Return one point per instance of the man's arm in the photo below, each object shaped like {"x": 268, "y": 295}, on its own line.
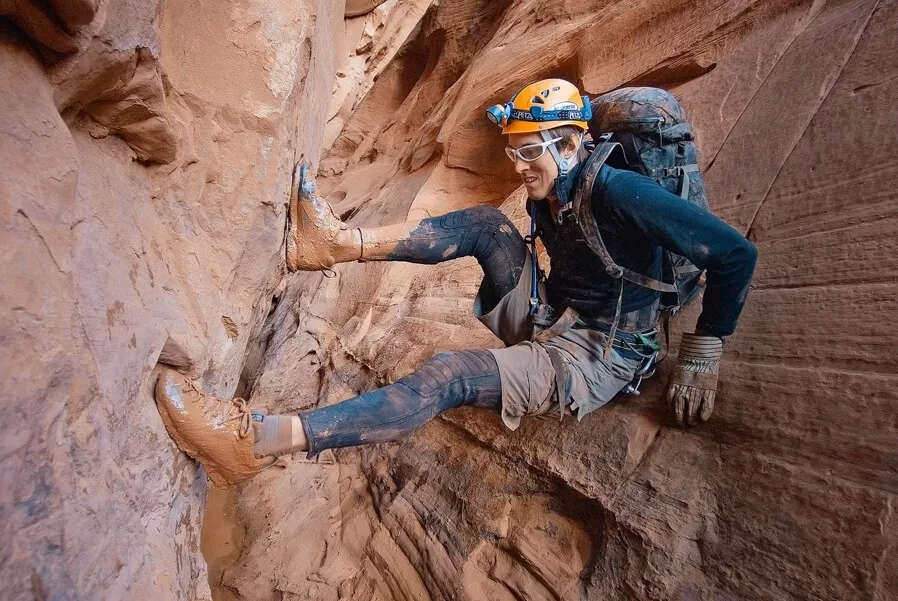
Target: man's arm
{"x": 680, "y": 226}
{"x": 729, "y": 260}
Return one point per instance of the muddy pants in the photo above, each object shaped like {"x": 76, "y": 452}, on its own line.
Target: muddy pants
{"x": 518, "y": 380}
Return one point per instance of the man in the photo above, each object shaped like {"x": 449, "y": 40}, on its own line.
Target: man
{"x": 545, "y": 367}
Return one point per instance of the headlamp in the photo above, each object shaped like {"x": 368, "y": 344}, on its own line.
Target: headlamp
{"x": 498, "y": 114}
{"x": 501, "y": 114}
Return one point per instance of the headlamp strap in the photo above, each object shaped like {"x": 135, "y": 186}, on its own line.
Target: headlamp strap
{"x": 537, "y": 114}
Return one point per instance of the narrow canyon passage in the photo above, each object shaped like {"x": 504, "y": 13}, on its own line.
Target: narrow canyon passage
{"x": 147, "y": 148}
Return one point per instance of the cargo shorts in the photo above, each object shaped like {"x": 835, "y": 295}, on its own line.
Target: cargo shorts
{"x": 526, "y": 369}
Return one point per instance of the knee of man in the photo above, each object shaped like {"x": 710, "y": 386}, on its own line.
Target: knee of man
{"x": 478, "y": 216}
{"x": 490, "y": 215}
{"x": 442, "y": 369}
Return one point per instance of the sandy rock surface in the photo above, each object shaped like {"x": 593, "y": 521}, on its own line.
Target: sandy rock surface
{"x": 144, "y": 180}
{"x": 789, "y": 491}
{"x": 146, "y": 153}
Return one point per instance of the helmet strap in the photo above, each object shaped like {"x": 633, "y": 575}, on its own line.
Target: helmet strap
{"x": 564, "y": 183}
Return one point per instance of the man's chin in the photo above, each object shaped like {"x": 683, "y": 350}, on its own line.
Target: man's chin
{"x": 535, "y": 194}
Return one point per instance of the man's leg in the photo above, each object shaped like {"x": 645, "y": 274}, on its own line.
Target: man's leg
{"x": 444, "y": 382}
{"x": 317, "y": 240}
{"x": 233, "y": 443}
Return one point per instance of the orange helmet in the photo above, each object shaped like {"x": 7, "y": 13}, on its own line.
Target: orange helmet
{"x": 542, "y": 105}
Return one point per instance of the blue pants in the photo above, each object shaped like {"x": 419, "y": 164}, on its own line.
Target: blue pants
{"x": 447, "y": 380}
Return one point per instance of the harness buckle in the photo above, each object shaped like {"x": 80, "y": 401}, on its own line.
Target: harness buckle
{"x": 645, "y": 370}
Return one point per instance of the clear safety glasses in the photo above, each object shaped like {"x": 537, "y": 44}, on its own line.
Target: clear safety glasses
{"x": 530, "y": 152}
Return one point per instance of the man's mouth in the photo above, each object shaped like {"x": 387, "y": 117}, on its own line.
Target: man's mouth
{"x": 529, "y": 180}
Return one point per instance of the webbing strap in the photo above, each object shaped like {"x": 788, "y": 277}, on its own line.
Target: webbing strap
{"x": 561, "y": 325}
{"x": 684, "y": 269}
{"x": 685, "y": 170}
{"x": 587, "y": 221}
{"x": 534, "y": 260}
{"x": 645, "y": 281}
{"x": 613, "y": 331}
{"x": 559, "y": 363}
{"x": 681, "y": 171}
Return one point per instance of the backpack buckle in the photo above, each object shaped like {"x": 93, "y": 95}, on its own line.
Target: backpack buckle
{"x": 614, "y": 271}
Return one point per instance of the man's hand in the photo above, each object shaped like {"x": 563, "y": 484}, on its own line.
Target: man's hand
{"x": 693, "y": 385}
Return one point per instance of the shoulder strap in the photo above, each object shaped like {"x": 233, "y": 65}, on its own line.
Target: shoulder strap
{"x": 534, "y": 259}
{"x": 587, "y": 221}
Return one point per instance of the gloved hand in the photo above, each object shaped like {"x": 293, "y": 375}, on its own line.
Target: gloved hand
{"x": 693, "y": 385}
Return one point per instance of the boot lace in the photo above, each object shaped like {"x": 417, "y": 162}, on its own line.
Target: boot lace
{"x": 243, "y": 414}
{"x": 238, "y": 404}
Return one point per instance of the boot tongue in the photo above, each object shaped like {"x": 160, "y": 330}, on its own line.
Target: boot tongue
{"x": 273, "y": 434}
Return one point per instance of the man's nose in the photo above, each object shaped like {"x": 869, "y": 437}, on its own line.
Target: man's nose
{"x": 520, "y": 165}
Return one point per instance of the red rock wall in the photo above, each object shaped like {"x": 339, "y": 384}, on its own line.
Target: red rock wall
{"x": 146, "y": 151}
{"x": 787, "y": 493}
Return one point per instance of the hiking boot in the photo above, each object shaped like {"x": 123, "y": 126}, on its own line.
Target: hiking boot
{"x": 316, "y": 238}
{"x": 217, "y": 433}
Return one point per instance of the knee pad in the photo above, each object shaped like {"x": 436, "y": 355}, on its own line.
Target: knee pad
{"x": 479, "y": 216}
{"x": 460, "y": 377}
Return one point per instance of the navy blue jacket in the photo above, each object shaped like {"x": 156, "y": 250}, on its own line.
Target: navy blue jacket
{"x": 637, "y": 218}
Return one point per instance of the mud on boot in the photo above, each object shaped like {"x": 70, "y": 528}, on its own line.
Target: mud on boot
{"x": 316, "y": 238}
{"x": 217, "y": 433}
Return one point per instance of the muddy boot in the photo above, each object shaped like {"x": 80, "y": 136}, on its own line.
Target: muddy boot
{"x": 316, "y": 238}
{"x": 217, "y": 433}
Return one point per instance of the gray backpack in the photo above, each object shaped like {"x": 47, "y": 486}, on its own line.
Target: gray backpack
{"x": 644, "y": 130}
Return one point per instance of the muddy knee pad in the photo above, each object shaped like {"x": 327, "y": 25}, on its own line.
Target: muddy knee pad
{"x": 453, "y": 379}
{"x": 445, "y": 381}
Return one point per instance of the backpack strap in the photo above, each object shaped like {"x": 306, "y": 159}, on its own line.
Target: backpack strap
{"x": 681, "y": 171}
{"x": 587, "y": 221}
{"x": 534, "y": 260}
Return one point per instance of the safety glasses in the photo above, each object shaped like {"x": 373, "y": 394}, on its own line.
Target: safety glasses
{"x": 530, "y": 152}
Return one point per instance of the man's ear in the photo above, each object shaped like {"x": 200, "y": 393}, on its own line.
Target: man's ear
{"x": 573, "y": 146}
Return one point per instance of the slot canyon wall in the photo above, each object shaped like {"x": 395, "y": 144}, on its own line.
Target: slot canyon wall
{"x": 146, "y": 153}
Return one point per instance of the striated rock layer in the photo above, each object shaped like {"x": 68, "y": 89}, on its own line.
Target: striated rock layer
{"x": 787, "y": 493}
{"x": 146, "y": 151}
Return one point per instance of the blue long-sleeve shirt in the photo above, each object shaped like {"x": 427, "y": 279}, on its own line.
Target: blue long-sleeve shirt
{"x": 637, "y": 218}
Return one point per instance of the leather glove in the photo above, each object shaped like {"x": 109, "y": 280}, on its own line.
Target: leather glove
{"x": 693, "y": 385}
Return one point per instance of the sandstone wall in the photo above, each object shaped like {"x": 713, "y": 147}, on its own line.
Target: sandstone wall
{"x": 787, "y": 493}
{"x": 146, "y": 151}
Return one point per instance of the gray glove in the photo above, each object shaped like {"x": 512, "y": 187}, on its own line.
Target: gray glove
{"x": 693, "y": 385}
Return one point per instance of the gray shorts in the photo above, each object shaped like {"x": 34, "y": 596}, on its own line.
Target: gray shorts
{"x": 526, "y": 370}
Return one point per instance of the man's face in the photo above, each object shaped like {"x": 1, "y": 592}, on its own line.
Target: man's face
{"x": 539, "y": 175}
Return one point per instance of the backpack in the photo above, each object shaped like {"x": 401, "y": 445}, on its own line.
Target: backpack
{"x": 644, "y": 130}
